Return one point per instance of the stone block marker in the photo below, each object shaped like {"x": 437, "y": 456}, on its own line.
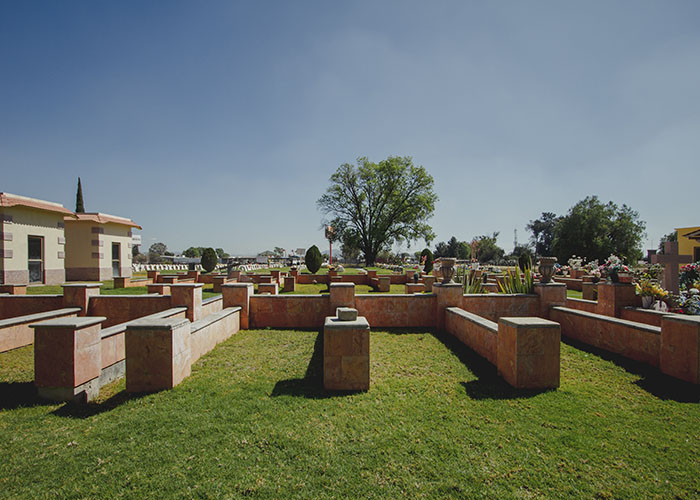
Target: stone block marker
{"x": 342, "y": 295}
{"x": 414, "y": 288}
{"x": 290, "y": 283}
{"x": 551, "y": 294}
{"x": 428, "y": 282}
{"x": 158, "y": 354}
{"x": 613, "y": 297}
{"x": 528, "y": 352}
{"x": 238, "y": 295}
{"x": 68, "y": 358}
{"x": 680, "y": 347}
{"x": 78, "y": 295}
{"x": 346, "y": 352}
{"x": 188, "y": 295}
{"x": 270, "y": 288}
{"x": 588, "y": 290}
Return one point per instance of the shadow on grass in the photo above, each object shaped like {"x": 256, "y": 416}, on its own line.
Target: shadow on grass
{"x": 311, "y": 386}
{"x": 650, "y": 378}
{"x": 16, "y": 394}
{"x": 488, "y": 384}
{"x": 85, "y": 410}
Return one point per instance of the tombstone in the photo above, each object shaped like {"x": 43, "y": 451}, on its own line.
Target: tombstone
{"x": 346, "y": 351}
{"x": 671, "y": 260}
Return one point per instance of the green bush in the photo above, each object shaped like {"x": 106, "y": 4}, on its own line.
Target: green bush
{"x": 313, "y": 259}
{"x": 428, "y": 260}
{"x": 209, "y": 259}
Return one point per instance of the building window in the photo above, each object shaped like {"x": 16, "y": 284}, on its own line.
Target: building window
{"x": 36, "y": 259}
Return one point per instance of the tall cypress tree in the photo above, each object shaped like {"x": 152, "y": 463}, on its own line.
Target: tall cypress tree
{"x": 79, "y": 207}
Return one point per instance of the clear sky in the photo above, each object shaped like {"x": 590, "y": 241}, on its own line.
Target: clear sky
{"x": 219, "y": 123}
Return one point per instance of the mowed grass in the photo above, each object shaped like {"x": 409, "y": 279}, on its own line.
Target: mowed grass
{"x": 107, "y": 288}
{"x": 253, "y": 421}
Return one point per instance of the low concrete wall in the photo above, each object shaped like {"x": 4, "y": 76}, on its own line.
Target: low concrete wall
{"x": 646, "y": 316}
{"x": 571, "y": 283}
{"x": 207, "y": 332}
{"x": 590, "y": 306}
{"x": 496, "y": 305}
{"x": 397, "y": 311}
{"x": 633, "y": 340}
{"x": 123, "y": 308}
{"x": 477, "y": 333}
{"x": 212, "y": 305}
{"x": 20, "y": 305}
{"x": 16, "y": 332}
{"x": 288, "y": 311}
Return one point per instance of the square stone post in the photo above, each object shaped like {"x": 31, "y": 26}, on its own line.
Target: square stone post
{"x": 78, "y": 295}
{"x": 409, "y": 275}
{"x": 158, "y": 354}
{"x": 294, "y": 272}
{"x": 588, "y": 289}
{"x": 194, "y": 275}
{"x": 680, "y": 347}
{"x": 428, "y": 281}
{"x": 153, "y": 275}
{"x": 342, "y": 295}
{"x": 371, "y": 274}
{"x": 270, "y": 288}
{"x": 384, "y": 285}
{"x": 218, "y": 281}
{"x": 613, "y": 297}
{"x": 551, "y": 294}
{"x": 234, "y": 275}
{"x": 238, "y": 295}
{"x": 346, "y": 351}
{"x": 448, "y": 295}
{"x": 528, "y": 352}
{"x": 276, "y": 275}
{"x": 14, "y": 289}
{"x": 188, "y": 295}
{"x": 159, "y": 288}
{"x": 68, "y": 358}
{"x": 290, "y": 283}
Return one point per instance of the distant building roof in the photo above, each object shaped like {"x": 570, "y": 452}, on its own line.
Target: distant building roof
{"x": 14, "y": 200}
{"x": 105, "y": 218}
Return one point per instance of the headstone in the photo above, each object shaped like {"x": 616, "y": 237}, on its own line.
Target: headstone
{"x": 671, "y": 260}
{"x": 346, "y": 352}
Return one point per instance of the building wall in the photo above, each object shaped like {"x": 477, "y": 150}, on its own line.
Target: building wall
{"x": 686, "y": 246}
{"x": 18, "y": 223}
{"x": 89, "y": 250}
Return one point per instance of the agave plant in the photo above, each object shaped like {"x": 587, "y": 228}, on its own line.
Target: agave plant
{"x": 513, "y": 283}
{"x": 472, "y": 283}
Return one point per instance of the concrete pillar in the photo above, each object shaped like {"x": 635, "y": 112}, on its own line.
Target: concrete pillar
{"x": 276, "y": 275}
{"x": 613, "y": 297}
{"x": 551, "y": 294}
{"x": 68, "y": 358}
{"x": 78, "y": 295}
{"x": 290, "y": 283}
{"x": 588, "y": 289}
{"x": 528, "y": 352}
{"x": 238, "y": 295}
{"x": 152, "y": 275}
{"x": 342, "y": 295}
{"x": 448, "y": 295}
{"x": 218, "y": 281}
{"x": 428, "y": 282}
{"x": 384, "y": 284}
{"x": 188, "y": 295}
{"x": 159, "y": 288}
{"x": 680, "y": 347}
{"x": 346, "y": 352}
{"x": 158, "y": 354}
{"x": 194, "y": 275}
{"x": 270, "y": 288}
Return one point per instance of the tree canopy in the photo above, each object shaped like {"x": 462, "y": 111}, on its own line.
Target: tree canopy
{"x": 380, "y": 203}
{"x": 313, "y": 259}
{"x": 79, "y": 205}
{"x": 209, "y": 259}
{"x": 487, "y": 248}
{"x": 542, "y": 230}
{"x": 453, "y": 248}
{"x": 595, "y": 230}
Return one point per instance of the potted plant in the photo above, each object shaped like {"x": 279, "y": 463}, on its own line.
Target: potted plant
{"x": 650, "y": 292}
{"x": 613, "y": 268}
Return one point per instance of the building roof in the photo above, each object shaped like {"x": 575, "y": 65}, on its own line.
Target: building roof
{"x": 105, "y": 218}
{"x": 14, "y": 200}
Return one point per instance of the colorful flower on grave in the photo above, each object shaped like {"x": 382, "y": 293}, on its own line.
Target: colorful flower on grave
{"x": 690, "y": 274}
{"x": 648, "y": 288}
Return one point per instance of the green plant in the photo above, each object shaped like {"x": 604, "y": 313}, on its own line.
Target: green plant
{"x": 428, "y": 256}
{"x": 313, "y": 259}
{"x": 209, "y": 259}
{"x": 472, "y": 282}
{"x": 513, "y": 283}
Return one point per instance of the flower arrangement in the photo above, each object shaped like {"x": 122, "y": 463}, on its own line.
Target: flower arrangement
{"x": 690, "y": 273}
{"x": 613, "y": 267}
{"x": 575, "y": 262}
{"x": 647, "y": 288}
{"x": 688, "y": 302}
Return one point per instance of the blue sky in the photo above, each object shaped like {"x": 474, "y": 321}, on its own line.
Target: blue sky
{"x": 219, "y": 123}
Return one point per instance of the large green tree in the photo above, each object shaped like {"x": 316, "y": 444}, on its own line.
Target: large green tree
{"x": 380, "y": 203}
{"x": 542, "y": 230}
{"x": 595, "y": 230}
{"x": 488, "y": 249}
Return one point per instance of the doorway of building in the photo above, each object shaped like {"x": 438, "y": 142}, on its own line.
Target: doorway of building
{"x": 116, "y": 265}
{"x": 36, "y": 259}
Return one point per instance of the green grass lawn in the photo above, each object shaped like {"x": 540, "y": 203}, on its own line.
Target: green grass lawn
{"x": 253, "y": 421}
{"x": 107, "y": 288}
{"x": 574, "y": 294}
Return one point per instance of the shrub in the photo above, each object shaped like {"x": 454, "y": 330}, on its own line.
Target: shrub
{"x": 313, "y": 259}
{"x": 428, "y": 260}
{"x": 209, "y": 259}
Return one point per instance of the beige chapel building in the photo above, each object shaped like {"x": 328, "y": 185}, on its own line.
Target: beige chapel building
{"x": 44, "y": 242}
